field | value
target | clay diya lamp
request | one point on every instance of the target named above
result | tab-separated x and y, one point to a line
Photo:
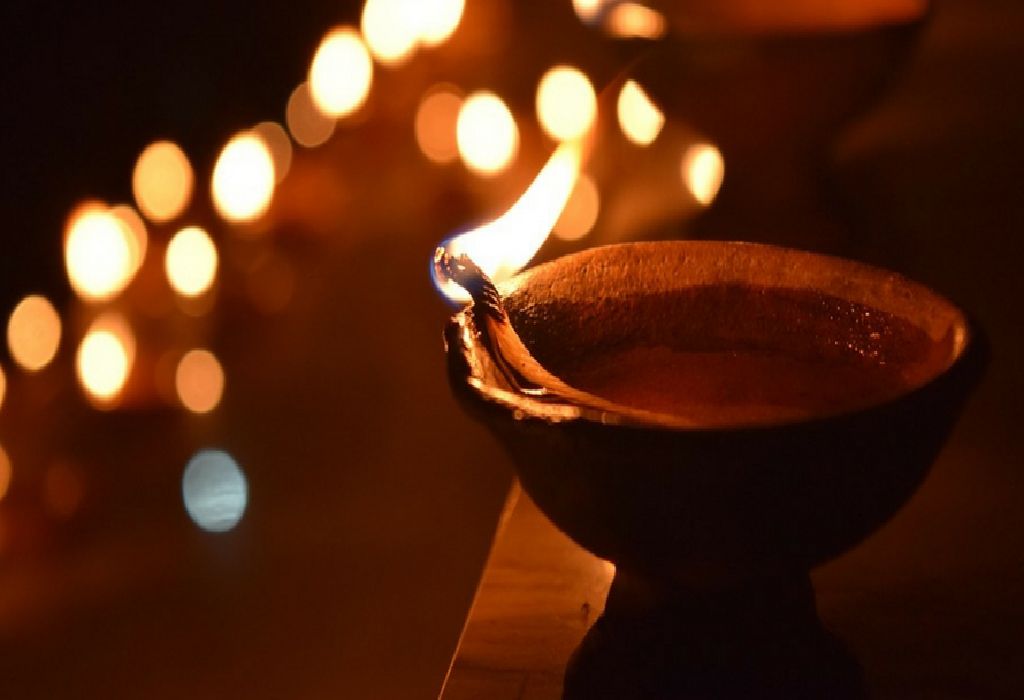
716	419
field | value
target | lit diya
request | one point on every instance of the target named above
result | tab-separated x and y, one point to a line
716	419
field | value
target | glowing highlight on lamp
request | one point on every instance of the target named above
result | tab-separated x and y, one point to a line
278	145
33	333
199	381
191	261
341	73
639	118
580	212
703	170
306	123
100	254
436	120
566	103
243	178
105	358
486	133
214	490
504	246
162	181
630	20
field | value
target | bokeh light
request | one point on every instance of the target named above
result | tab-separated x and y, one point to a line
214	490
199	381
306	123
438	20
243	178
588	10
630	20
436	120
580	213
191	261
703	170
3	385
33	333
101	254
6	473
138	241
566	103
341	73
279	146
639	118
391	28
162	181
105	358
486	133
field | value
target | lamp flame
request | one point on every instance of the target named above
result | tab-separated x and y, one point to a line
504	246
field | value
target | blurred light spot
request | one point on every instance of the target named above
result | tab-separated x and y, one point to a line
98	254
279	146
5	473
162	181
191	261
138	241
629	20
3	386
391	28
105	358
341	73
199	381
63	490
639	118
580	213
703	170
588	10
436	121
566	103
243	178
214	490
439	19
33	333
486	133
308	126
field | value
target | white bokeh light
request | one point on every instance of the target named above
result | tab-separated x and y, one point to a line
214	490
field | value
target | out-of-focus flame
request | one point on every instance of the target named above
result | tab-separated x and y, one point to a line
341	73
504	246
33	332
639	118
307	124
243	178
199	380
588	10
191	261
105	358
630	20
436	118
5	473
566	103
391	28
486	133
162	181
439	19
702	169
279	146
138	242
101	253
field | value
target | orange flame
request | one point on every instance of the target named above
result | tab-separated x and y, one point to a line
504	246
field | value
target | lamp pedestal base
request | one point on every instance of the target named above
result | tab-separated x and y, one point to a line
759	640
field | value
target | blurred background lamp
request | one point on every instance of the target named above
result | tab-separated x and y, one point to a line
639	118
191	261
436	120
243	178
341	73
33	332
101	254
162	181
214	490
566	103
199	381
486	133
